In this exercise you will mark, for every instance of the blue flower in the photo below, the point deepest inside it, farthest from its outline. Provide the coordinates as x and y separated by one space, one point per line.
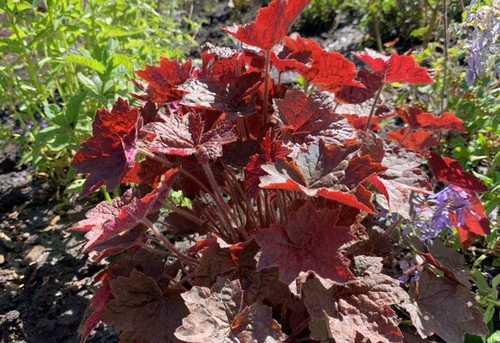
451 200
450 203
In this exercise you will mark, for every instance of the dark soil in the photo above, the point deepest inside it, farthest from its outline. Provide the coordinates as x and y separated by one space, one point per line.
45 280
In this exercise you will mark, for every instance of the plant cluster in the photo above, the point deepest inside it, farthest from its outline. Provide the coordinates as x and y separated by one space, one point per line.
64 59
312 216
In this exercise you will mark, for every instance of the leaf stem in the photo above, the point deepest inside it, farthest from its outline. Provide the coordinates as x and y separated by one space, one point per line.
170 165
372 110
167 243
217 193
266 85
188 214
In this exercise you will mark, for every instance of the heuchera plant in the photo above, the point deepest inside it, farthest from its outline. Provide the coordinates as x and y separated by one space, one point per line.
303 200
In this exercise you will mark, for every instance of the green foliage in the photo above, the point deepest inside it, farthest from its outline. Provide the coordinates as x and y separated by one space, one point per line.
488 294
319 16
63 59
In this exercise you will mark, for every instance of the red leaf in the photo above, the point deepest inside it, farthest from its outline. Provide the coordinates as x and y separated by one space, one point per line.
359 168
473 221
296 54
418 119
107 221
424 129
121 121
110 152
377 62
331 71
320 171
302 115
450 171
346 199
473 227
272 150
445 122
404 69
310 240
397 68
271 25
304 119
360 122
414 140
162 80
185 136
147 172
97 308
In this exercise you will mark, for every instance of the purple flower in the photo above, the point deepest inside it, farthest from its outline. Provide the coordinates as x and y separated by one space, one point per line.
451 200
483 42
410 271
433 219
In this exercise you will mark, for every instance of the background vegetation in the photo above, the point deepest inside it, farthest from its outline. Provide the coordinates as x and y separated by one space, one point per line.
63 59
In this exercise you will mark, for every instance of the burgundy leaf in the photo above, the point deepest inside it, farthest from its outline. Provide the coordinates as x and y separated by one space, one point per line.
272 150
123 215
96 308
163 80
110 152
356 311
236 97
444 307
402 180
141 312
321 171
216 316
311 240
185 136
356 95
304 118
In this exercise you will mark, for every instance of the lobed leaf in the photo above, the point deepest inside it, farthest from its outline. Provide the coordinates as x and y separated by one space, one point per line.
310 240
271 24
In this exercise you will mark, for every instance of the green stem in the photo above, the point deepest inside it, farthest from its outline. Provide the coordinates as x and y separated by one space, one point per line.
444 98
106 194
